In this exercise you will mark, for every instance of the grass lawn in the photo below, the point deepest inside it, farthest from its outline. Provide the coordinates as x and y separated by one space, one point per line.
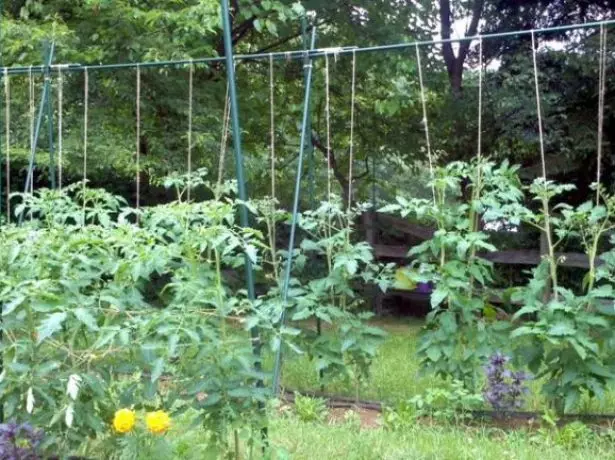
293 439
396 375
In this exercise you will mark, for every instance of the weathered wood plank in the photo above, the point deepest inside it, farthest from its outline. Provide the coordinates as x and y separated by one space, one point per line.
507 257
418 231
390 252
533 257
494 298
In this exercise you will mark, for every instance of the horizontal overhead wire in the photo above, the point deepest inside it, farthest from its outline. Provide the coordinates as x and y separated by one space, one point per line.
303 54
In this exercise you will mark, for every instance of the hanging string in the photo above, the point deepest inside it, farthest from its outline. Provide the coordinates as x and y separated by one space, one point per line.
601 97
86 91
190 108
272 224
328 121
60 121
352 110
7 139
479 151
138 140
539 108
31 111
477 186
226 121
425 120
272 124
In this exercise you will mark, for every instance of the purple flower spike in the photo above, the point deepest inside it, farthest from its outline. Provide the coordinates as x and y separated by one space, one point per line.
19 442
505 388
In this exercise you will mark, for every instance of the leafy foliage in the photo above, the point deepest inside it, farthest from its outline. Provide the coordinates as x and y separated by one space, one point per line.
139 308
457 339
310 409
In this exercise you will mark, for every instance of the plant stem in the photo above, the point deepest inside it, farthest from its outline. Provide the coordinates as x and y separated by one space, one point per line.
220 295
551 246
476 191
237 454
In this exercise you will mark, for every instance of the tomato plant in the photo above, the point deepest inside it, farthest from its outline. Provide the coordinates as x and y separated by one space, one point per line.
457 339
107 307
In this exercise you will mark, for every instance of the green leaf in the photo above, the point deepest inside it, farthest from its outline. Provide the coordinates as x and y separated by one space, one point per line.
157 369
9 307
251 253
50 326
521 331
347 344
571 400
389 208
462 248
562 328
579 349
302 314
86 318
433 353
437 297
528 309
173 341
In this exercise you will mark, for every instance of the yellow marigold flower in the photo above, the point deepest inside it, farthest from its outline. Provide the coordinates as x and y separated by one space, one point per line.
158 422
124 420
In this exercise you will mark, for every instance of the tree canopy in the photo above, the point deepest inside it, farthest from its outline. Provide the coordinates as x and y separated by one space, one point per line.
389 130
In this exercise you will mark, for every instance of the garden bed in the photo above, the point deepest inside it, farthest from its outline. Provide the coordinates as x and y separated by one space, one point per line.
370 411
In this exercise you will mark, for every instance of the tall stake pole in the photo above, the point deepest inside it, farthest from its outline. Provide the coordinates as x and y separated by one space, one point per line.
39 121
309 146
293 224
241 181
310 151
52 168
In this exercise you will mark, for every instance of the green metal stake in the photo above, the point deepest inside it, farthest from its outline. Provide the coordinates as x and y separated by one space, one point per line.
39 121
310 151
241 181
52 168
293 225
309 145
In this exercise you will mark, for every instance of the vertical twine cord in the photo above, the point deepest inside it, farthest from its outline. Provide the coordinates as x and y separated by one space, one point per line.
60 121
545 201
86 91
328 121
352 110
138 142
477 186
273 161
425 120
539 108
190 109
479 152
7 139
272 124
601 97
31 113
226 121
